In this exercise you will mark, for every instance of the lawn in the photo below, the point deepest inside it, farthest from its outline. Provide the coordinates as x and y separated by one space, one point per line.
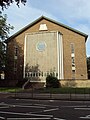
10 89
49 90
65 90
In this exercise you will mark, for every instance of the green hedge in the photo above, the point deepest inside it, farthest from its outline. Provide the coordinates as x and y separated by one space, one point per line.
52 82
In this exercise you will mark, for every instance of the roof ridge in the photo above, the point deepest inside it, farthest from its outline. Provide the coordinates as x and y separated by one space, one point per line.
51 20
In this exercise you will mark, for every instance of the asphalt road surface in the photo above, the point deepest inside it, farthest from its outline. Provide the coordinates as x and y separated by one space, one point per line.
26 109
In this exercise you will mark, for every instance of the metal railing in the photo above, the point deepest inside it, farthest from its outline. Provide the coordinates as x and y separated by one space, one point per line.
75 94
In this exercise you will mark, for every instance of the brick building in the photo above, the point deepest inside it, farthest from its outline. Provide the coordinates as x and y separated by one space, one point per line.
46 47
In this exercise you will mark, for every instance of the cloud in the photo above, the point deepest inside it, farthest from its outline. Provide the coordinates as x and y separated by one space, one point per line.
74 13
20 17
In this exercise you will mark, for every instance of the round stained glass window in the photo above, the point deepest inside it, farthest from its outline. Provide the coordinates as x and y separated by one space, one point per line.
41 46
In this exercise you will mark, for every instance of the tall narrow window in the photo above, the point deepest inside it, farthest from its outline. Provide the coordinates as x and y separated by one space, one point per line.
15 58
15 52
72 47
73 60
73 74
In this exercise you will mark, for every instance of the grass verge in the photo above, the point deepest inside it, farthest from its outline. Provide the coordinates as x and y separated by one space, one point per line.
65 90
9 89
49 90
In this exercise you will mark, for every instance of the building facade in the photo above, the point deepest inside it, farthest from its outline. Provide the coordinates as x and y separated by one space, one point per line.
46 47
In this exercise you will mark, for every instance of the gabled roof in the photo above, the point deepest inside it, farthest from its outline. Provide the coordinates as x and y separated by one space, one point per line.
53 21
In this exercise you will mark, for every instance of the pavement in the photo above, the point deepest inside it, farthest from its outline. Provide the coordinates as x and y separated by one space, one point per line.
45 96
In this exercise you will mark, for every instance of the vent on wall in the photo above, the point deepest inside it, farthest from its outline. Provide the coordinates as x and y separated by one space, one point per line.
43 27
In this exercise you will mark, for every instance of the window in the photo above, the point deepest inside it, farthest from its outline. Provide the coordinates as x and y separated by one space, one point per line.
15 52
41 46
73 74
73 60
15 58
15 66
72 47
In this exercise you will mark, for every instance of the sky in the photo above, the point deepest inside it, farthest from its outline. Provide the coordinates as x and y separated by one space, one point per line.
73 13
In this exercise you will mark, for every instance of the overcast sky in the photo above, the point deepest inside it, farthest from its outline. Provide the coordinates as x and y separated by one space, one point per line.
74 13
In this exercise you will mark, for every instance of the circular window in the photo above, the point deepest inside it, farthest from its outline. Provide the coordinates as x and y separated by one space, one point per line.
41 46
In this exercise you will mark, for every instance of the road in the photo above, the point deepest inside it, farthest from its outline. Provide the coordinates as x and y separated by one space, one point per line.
28 109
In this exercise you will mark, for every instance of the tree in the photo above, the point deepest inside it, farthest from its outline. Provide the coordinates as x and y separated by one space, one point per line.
4 27
4 31
88 67
6 3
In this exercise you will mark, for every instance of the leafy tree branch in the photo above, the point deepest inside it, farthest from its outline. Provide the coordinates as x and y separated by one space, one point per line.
4 27
7 3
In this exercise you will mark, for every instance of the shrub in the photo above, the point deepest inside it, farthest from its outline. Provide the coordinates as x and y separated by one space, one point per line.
52 81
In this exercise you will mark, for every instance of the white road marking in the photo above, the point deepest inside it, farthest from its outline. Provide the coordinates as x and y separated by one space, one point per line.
29 100
51 100
46 105
3 105
51 110
78 106
28 118
26 114
82 108
2 118
41 115
58 119
13 105
12 113
17 99
29 106
86 117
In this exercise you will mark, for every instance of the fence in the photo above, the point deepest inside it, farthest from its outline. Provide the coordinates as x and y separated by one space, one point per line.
55 94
